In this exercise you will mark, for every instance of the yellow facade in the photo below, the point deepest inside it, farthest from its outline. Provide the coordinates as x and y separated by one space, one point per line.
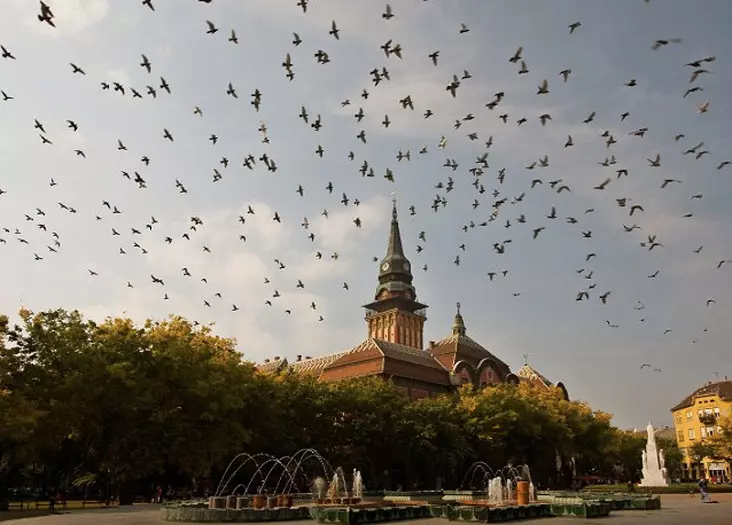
695 420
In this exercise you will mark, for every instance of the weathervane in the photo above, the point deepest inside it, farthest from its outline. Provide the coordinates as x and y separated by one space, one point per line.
458 308
526 359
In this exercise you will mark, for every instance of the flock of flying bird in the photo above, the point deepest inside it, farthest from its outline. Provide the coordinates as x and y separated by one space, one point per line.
392 50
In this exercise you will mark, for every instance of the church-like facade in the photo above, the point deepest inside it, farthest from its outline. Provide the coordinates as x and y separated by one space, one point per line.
395 350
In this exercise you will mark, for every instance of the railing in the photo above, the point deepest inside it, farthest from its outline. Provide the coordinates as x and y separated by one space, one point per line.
421 313
707 418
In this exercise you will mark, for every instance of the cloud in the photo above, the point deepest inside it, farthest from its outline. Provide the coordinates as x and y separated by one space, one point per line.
118 75
237 270
336 232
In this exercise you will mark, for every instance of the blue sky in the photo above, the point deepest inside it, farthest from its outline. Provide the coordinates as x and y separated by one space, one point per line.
567 340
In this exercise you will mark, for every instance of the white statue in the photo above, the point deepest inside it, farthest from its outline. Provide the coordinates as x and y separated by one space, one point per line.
654 471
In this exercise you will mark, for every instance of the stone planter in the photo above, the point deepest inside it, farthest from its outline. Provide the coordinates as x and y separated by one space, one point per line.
522 493
259 501
284 500
216 502
231 502
271 502
243 503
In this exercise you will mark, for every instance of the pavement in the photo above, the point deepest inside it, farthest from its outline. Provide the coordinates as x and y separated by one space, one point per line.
677 509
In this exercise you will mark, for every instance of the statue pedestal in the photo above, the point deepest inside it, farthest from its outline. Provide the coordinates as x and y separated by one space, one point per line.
654 478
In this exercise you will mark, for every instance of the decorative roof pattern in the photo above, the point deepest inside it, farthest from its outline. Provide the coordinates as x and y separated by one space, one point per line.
318 364
528 373
456 341
721 388
411 355
272 366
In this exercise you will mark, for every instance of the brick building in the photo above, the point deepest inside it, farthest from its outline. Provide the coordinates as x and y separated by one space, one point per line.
394 349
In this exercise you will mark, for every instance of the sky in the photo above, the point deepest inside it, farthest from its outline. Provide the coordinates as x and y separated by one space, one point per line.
595 349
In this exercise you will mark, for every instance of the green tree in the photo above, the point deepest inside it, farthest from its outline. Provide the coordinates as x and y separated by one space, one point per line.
673 457
722 441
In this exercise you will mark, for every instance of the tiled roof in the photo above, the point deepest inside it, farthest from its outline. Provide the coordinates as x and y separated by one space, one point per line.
271 366
318 364
457 341
722 388
526 372
411 355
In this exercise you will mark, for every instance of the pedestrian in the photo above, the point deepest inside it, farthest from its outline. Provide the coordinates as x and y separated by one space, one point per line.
630 485
703 486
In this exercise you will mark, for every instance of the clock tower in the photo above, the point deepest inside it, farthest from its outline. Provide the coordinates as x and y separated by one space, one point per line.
395 315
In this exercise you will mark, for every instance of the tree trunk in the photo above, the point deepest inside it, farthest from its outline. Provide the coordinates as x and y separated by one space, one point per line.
126 493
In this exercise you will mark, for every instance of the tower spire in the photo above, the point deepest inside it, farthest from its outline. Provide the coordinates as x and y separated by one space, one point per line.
394 248
395 315
458 325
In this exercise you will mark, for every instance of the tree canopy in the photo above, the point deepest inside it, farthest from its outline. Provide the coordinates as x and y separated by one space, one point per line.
116 404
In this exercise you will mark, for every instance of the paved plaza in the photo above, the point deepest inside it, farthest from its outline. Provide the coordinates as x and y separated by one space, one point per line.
677 510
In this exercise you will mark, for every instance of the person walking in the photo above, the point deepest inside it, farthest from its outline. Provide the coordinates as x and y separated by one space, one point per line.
703 486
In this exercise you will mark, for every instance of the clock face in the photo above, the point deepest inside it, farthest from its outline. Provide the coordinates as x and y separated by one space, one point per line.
385 266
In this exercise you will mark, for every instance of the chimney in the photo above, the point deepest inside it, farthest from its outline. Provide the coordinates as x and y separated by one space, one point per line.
308 357
277 358
432 344
299 357
266 360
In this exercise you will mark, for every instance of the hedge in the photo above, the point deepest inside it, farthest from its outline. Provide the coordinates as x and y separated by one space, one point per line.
675 488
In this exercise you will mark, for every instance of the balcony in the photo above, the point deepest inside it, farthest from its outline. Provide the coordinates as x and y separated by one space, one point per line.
421 312
707 419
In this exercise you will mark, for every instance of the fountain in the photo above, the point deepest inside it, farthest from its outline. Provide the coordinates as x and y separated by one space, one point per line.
272 494
507 494
320 489
357 490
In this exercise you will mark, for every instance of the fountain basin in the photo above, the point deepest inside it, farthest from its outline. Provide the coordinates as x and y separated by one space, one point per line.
617 501
587 509
370 514
493 514
198 514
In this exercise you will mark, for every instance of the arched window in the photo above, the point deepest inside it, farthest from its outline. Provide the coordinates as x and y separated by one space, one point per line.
465 377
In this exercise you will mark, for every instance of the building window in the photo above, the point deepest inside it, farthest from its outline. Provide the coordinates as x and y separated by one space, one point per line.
703 432
678 418
681 436
688 416
716 412
691 434
710 431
